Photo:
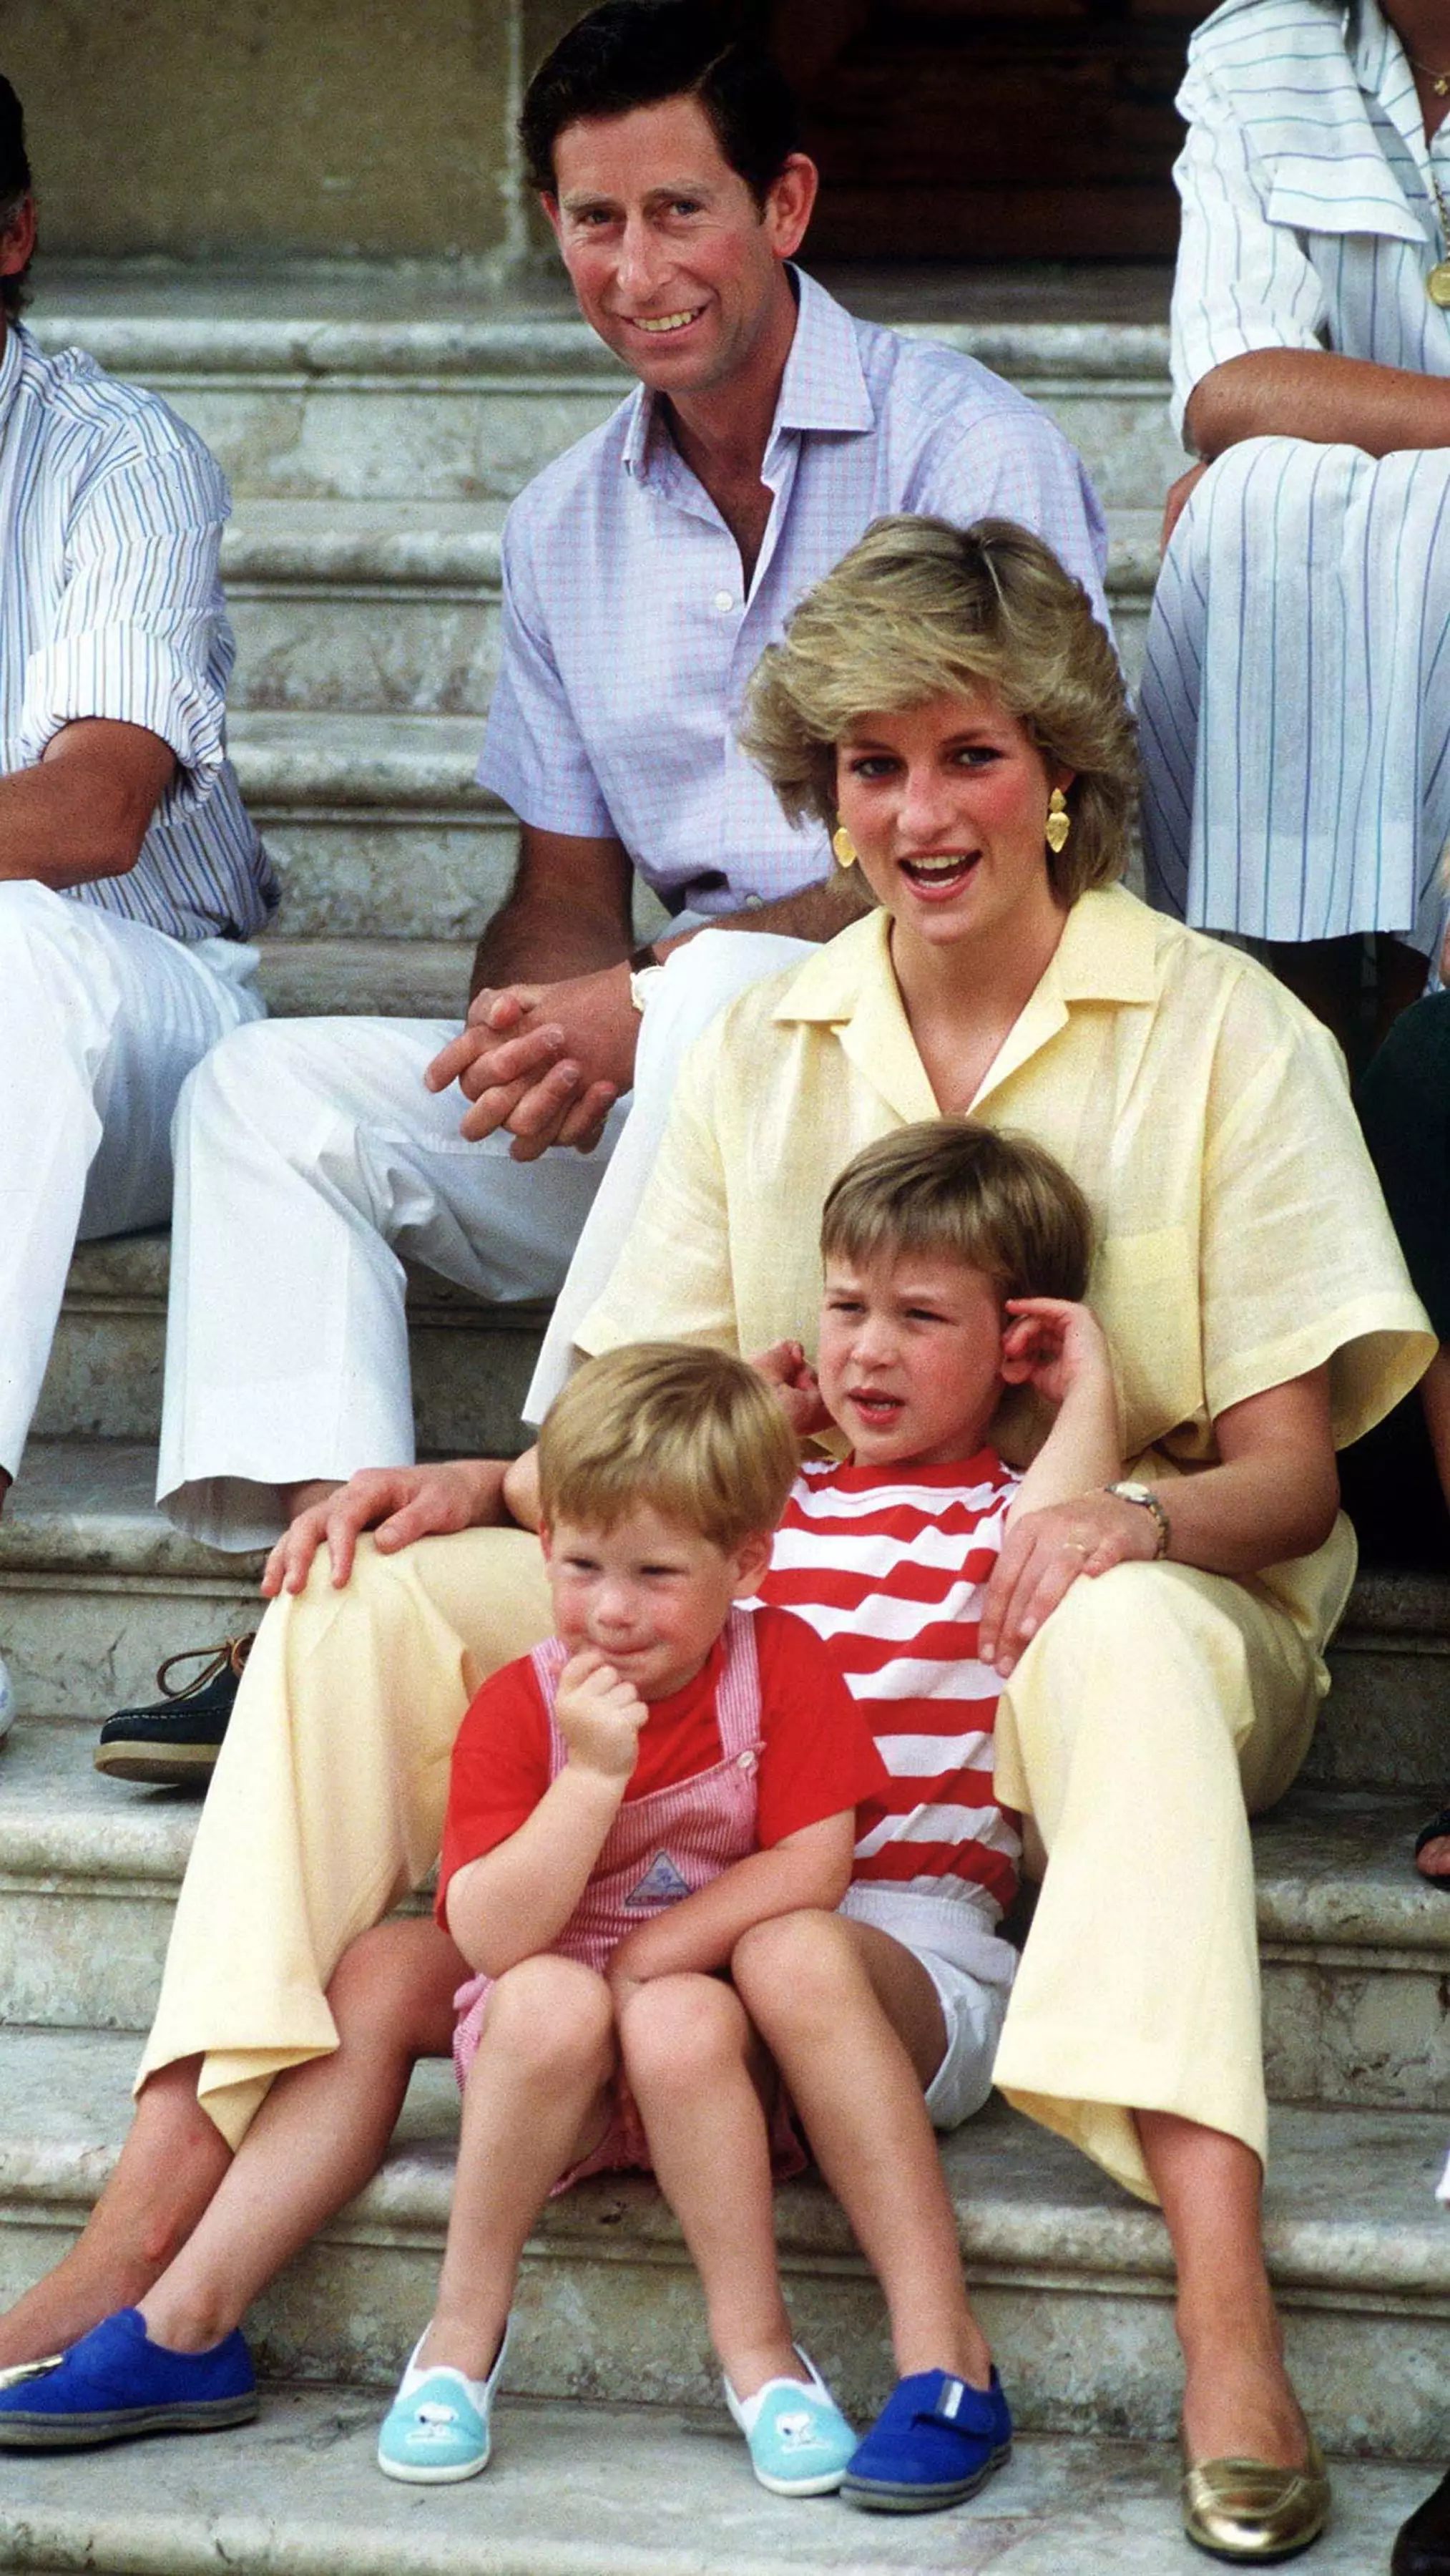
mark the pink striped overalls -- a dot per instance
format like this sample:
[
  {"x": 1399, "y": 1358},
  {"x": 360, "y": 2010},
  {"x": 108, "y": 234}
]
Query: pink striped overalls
[{"x": 660, "y": 1847}]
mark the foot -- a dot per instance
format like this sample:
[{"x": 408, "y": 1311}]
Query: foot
[
  {"x": 1432, "y": 1848},
  {"x": 116, "y": 2383},
  {"x": 438, "y": 2429},
  {"x": 799, "y": 2440},
  {"x": 174, "y": 1741},
  {"x": 1423, "y": 2546},
  {"x": 1239, "y": 2404},
  {"x": 936, "y": 2440}
]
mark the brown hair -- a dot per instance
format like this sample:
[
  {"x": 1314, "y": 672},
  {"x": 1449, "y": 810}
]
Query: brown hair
[
  {"x": 920, "y": 610},
  {"x": 995, "y": 1201},
  {"x": 694, "y": 1433}
]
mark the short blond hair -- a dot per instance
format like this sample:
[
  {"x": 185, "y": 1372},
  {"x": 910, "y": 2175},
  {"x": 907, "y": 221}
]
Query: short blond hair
[
  {"x": 997, "y": 1202},
  {"x": 920, "y": 610},
  {"x": 693, "y": 1433}
]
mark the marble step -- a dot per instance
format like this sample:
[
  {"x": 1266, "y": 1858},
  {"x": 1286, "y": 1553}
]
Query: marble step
[
  {"x": 392, "y": 607},
  {"x": 1072, "y": 2277},
  {"x": 1355, "y": 1947},
  {"x": 593, "y": 2490},
  {"x": 370, "y": 383}
]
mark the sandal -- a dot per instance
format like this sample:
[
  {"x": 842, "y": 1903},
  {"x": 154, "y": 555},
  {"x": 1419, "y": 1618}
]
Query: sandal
[{"x": 1438, "y": 1825}]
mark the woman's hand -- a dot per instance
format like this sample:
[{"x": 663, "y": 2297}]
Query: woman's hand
[
  {"x": 599, "y": 1716},
  {"x": 400, "y": 1504},
  {"x": 1042, "y": 1557},
  {"x": 786, "y": 1368}
]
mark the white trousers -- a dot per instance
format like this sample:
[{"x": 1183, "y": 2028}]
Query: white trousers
[
  {"x": 309, "y": 1160},
  {"x": 101, "y": 1020},
  {"x": 1295, "y": 706}
]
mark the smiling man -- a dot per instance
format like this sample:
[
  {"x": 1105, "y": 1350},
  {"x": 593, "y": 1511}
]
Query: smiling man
[{"x": 644, "y": 572}]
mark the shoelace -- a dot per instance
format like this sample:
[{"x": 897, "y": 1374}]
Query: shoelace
[{"x": 231, "y": 1654}]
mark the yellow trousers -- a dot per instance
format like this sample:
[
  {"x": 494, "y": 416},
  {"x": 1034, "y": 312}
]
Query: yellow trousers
[{"x": 1154, "y": 1706}]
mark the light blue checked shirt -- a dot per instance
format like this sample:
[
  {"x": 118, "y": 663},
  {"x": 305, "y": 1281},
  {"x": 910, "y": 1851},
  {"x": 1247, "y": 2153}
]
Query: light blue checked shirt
[
  {"x": 628, "y": 637},
  {"x": 111, "y": 513},
  {"x": 1309, "y": 221}
]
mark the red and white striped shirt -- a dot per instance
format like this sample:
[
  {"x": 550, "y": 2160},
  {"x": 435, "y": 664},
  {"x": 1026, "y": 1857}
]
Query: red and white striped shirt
[{"x": 888, "y": 1565}]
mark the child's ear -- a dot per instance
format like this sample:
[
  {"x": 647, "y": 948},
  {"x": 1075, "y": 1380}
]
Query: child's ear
[
  {"x": 749, "y": 1561},
  {"x": 546, "y": 1542},
  {"x": 1014, "y": 1367}
]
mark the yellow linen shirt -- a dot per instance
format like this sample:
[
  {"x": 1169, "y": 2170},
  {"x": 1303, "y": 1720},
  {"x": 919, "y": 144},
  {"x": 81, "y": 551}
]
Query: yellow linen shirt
[{"x": 1241, "y": 1238}]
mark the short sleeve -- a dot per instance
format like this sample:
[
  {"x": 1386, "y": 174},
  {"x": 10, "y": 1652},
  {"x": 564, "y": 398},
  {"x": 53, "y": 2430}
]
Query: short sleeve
[
  {"x": 533, "y": 755},
  {"x": 1241, "y": 283},
  {"x": 1015, "y": 464},
  {"x": 136, "y": 630},
  {"x": 820, "y": 1756},
  {"x": 499, "y": 1773},
  {"x": 1298, "y": 1259},
  {"x": 673, "y": 1279}
]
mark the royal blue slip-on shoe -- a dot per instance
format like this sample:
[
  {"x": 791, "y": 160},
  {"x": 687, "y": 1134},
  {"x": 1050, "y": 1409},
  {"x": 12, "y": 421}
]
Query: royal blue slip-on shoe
[
  {"x": 936, "y": 2440},
  {"x": 116, "y": 2383}
]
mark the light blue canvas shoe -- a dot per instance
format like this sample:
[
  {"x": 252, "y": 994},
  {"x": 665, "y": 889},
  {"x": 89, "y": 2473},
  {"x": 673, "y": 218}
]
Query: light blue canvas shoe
[
  {"x": 436, "y": 2431},
  {"x": 800, "y": 2442}
]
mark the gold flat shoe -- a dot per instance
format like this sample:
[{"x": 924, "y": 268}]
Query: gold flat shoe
[{"x": 1253, "y": 2513}]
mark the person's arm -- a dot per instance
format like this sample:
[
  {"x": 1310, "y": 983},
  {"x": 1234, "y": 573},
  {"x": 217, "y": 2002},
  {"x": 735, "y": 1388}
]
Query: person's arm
[
  {"x": 81, "y": 812},
  {"x": 1062, "y": 1350},
  {"x": 808, "y": 1869},
  {"x": 1273, "y": 1496},
  {"x": 548, "y": 1059},
  {"x": 517, "y": 1898},
  {"x": 1316, "y": 395}
]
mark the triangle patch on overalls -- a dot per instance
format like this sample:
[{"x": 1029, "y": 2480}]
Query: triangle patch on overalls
[{"x": 660, "y": 1885}]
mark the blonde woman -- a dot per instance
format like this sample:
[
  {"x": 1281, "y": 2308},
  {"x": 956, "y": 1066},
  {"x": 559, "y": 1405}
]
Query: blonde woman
[{"x": 947, "y": 702}]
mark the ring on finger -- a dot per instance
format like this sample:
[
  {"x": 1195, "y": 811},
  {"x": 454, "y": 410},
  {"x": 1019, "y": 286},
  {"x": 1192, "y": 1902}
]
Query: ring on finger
[{"x": 1079, "y": 1546}]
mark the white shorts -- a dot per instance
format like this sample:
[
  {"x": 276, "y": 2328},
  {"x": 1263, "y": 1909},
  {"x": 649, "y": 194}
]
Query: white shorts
[{"x": 974, "y": 2011}]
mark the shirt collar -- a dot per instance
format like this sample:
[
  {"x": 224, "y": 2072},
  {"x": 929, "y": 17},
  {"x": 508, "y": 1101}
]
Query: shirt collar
[
  {"x": 1107, "y": 953},
  {"x": 824, "y": 385}
]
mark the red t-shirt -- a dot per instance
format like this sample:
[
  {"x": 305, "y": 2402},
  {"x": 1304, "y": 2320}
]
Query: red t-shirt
[{"x": 818, "y": 1756}]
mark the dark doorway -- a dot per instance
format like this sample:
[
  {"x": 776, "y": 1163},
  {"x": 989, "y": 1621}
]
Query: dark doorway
[{"x": 970, "y": 129}]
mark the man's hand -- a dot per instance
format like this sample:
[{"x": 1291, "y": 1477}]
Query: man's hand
[
  {"x": 546, "y": 1061},
  {"x": 400, "y": 1504},
  {"x": 1179, "y": 496},
  {"x": 785, "y": 1367},
  {"x": 599, "y": 1716}
]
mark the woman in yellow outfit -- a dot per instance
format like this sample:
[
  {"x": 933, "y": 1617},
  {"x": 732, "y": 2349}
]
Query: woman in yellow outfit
[{"x": 946, "y": 699}]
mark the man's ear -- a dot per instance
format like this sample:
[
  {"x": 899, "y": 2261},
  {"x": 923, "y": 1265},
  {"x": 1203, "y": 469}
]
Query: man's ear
[
  {"x": 748, "y": 1563},
  {"x": 551, "y": 214},
  {"x": 789, "y": 204},
  {"x": 17, "y": 242}
]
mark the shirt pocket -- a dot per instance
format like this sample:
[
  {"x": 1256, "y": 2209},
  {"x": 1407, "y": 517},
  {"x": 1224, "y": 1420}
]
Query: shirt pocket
[{"x": 1145, "y": 1293}]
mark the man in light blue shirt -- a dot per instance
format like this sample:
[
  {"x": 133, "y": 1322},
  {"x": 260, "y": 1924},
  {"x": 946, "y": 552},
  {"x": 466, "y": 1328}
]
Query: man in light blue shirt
[{"x": 644, "y": 572}]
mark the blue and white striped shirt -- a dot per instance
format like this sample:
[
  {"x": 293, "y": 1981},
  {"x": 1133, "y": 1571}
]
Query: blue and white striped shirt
[
  {"x": 111, "y": 512},
  {"x": 629, "y": 636},
  {"x": 1309, "y": 221}
]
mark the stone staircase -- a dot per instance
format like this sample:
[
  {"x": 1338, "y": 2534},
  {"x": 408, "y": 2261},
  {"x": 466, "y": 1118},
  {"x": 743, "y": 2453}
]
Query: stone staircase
[{"x": 373, "y": 425}]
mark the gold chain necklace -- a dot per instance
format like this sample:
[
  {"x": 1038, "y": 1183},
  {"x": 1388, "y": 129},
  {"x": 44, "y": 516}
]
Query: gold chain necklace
[
  {"x": 1439, "y": 81},
  {"x": 1437, "y": 284}
]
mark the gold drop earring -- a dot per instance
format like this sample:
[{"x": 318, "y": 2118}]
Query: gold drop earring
[
  {"x": 1058, "y": 823},
  {"x": 845, "y": 848}
]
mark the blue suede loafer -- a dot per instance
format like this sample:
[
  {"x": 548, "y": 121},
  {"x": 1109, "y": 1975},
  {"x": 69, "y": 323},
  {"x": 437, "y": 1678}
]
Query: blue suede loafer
[
  {"x": 936, "y": 2440},
  {"x": 116, "y": 2383}
]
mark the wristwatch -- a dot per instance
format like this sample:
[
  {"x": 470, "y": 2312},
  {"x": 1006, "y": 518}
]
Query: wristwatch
[
  {"x": 1147, "y": 1500},
  {"x": 645, "y": 971}
]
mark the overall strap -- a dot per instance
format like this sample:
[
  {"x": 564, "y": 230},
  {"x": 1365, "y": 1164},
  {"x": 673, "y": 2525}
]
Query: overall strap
[
  {"x": 737, "y": 1700},
  {"x": 548, "y": 1661}
]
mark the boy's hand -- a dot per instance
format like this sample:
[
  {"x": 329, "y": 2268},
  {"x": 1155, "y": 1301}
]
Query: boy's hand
[
  {"x": 785, "y": 1367},
  {"x": 599, "y": 1716},
  {"x": 1060, "y": 1347}
]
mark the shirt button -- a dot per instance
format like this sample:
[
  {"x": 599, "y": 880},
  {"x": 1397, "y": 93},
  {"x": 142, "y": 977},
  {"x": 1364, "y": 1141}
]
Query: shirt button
[{"x": 724, "y": 602}]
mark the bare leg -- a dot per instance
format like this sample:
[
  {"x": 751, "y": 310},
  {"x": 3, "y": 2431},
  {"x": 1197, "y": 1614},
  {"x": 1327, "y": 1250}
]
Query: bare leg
[
  {"x": 172, "y": 2162},
  {"x": 297, "y": 1499},
  {"x": 696, "y": 2068},
  {"x": 1238, "y": 2402},
  {"x": 853, "y": 2022},
  {"x": 319, "y": 2137},
  {"x": 537, "y": 2098}
]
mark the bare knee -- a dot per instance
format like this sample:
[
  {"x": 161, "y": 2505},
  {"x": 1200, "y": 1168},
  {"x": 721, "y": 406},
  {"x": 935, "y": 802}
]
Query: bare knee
[
  {"x": 393, "y": 1988},
  {"x": 793, "y": 1971},
  {"x": 680, "y": 2033},
  {"x": 553, "y": 2018}
]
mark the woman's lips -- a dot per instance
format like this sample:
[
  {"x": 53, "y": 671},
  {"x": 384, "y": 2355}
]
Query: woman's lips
[{"x": 937, "y": 878}]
